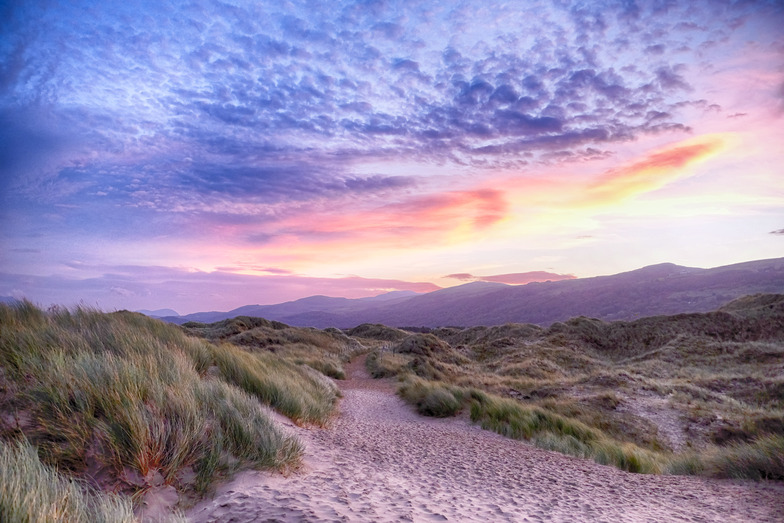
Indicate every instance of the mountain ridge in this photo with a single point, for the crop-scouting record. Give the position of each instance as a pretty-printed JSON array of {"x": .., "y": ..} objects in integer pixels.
[{"x": 659, "y": 289}]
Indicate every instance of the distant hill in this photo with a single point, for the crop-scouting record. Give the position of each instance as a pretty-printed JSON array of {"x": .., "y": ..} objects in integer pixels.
[
  {"x": 159, "y": 313},
  {"x": 654, "y": 290}
]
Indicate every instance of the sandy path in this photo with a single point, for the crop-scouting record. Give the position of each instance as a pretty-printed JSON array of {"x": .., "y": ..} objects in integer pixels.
[{"x": 382, "y": 462}]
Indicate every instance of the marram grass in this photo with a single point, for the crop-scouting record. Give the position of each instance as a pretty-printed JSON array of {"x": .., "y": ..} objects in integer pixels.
[
  {"x": 135, "y": 394},
  {"x": 760, "y": 459},
  {"x": 514, "y": 420},
  {"x": 31, "y": 492}
]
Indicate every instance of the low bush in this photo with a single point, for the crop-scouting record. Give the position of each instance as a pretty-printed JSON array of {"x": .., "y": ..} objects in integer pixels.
[
  {"x": 554, "y": 432},
  {"x": 762, "y": 458}
]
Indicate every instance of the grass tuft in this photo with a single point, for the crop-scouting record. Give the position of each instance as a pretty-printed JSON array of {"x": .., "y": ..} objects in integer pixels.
[
  {"x": 432, "y": 398},
  {"x": 299, "y": 392},
  {"x": 761, "y": 459}
]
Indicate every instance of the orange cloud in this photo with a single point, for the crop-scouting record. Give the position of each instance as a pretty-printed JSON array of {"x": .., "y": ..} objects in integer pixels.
[
  {"x": 652, "y": 172},
  {"x": 420, "y": 219}
]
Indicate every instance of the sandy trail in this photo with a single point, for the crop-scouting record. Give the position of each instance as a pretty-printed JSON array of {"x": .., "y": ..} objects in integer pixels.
[{"x": 380, "y": 461}]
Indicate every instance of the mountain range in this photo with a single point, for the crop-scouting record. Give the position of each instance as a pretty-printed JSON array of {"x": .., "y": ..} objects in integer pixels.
[{"x": 654, "y": 290}]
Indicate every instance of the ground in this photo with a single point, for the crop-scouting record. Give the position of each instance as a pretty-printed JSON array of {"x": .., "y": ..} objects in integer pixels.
[{"x": 380, "y": 461}]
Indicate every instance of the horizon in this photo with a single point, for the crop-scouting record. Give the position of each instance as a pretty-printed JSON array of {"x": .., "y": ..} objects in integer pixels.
[{"x": 207, "y": 156}]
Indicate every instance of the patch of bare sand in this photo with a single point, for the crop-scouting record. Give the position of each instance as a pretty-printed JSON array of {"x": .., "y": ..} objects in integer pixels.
[
  {"x": 657, "y": 409},
  {"x": 380, "y": 461}
]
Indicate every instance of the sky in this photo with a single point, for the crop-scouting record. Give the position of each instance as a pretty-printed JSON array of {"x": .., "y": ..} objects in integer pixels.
[{"x": 204, "y": 155}]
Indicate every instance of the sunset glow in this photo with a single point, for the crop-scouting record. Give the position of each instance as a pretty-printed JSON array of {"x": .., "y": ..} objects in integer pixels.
[{"x": 205, "y": 155}]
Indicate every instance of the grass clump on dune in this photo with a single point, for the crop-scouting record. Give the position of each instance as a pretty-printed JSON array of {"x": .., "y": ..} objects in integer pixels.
[
  {"x": 433, "y": 398},
  {"x": 386, "y": 364},
  {"x": 138, "y": 400},
  {"x": 299, "y": 392},
  {"x": 515, "y": 420},
  {"x": 31, "y": 491},
  {"x": 760, "y": 459}
]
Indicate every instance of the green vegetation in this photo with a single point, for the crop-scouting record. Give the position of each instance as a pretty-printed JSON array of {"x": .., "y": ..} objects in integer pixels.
[
  {"x": 140, "y": 402},
  {"x": 300, "y": 393},
  {"x": 515, "y": 420},
  {"x": 433, "y": 398},
  {"x": 385, "y": 364},
  {"x": 33, "y": 492},
  {"x": 760, "y": 459},
  {"x": 692, "y": 393}
]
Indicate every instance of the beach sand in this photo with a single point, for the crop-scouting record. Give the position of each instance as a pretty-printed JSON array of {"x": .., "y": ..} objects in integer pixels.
[{"x": 380, "y": 461}]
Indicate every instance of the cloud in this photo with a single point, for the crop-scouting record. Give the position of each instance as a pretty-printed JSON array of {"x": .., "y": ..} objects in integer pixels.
[
  {"x": 519, "y": 278},
  {"x": 464, "y": 276},
  {"x": 653, "y": 171},
  {"x": 309, "y": 81},
  {"x": 430, "y": 219},
  {"x": 285, "y": 128}
]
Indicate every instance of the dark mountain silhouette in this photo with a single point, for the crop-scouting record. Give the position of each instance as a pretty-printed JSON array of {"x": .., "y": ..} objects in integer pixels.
[{"x": 654, "y": 290}]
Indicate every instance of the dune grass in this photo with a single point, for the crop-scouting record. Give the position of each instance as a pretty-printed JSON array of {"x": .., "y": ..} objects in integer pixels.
[
  {"x": 134, "y": 397},
  {"x": 515, "y": 420},
  {"x": 433, "y": 398},
  {"x": 760, "y": 459},
  {"x": 299, "y": 392},
  {"x": 385, "y": 364},
  {"x": 323, "y": 350},
  {"x": 566, "y": 435},
  {"x": 32, "y": 492},
  {"x": 691, "y": 393}
]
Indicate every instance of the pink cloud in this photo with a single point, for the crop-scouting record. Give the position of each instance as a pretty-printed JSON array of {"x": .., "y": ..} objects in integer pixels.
[{"x": 652, "y": 171}]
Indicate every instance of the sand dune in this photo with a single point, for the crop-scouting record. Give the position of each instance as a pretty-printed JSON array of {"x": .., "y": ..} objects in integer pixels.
[{"x": 380, "y": 461}]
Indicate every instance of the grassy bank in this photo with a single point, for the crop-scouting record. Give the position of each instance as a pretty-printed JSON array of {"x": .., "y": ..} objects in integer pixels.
[{"x": 138, "y": 402}]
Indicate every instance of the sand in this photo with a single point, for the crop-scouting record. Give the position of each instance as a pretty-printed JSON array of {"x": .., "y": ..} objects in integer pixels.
[{"x": 380, "y": 461}]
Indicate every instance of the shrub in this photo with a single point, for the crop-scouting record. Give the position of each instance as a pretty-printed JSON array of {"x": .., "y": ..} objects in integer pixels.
[
  {"x": 548, "y": 430},
  {"x": 385, "y": 364}
]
